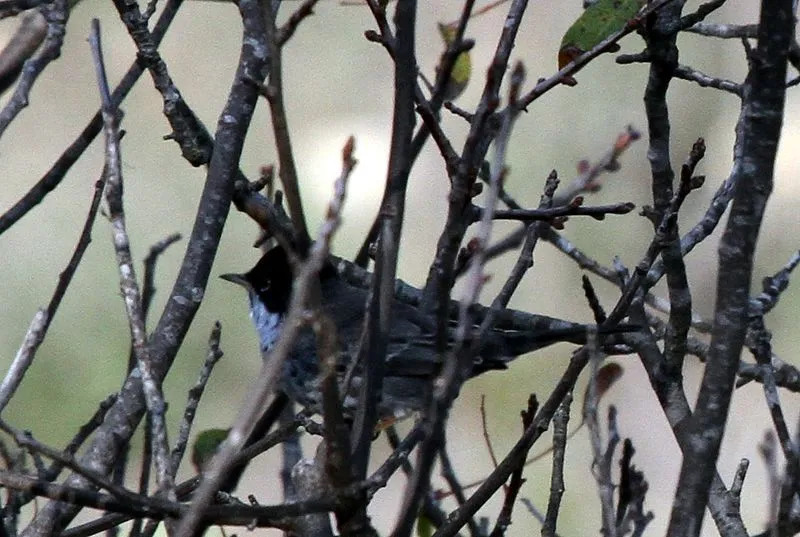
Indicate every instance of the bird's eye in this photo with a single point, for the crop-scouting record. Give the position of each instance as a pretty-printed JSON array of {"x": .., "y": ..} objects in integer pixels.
[{"x": 265, "y": 287}]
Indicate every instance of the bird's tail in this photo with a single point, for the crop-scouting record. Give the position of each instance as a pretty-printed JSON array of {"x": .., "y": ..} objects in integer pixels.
[{"x": 507, "y": 345}]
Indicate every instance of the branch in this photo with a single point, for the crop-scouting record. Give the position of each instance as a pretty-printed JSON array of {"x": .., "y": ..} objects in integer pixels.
[
  {"x": 24, "y": 357},
  {"x": 58, "y": 171},
  {"x": 273, "y": 91},
  {"x": 543, "y": 86},
  {"x": 754, "y": 162},
  {"x": 186, "y": 295},
  {"x": 560, "y": 431},
  {"x": 56, "y": 14},
  {"x": 154, "y": 398}
]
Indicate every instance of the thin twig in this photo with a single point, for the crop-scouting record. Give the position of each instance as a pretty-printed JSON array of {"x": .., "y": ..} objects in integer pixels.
[
  {"x": 602, "y": 457},
  {"x": 378, "y": 321},
  {"x": 456, "y": 489},
  {"x": 287, "y": 169},
  {"x": 24, "y": 358},
  {"x": 516, "y": 481},
  {"x": 52, "y": 178},
  {"x": 128, "y": 284},
  {"x": 306, "y": 9},
  {"x": 560, "y": 423},
  {"x": 195, "y": 393},
  {"x": 56, "y": 14},
  {"x": 43, "y": 318},
  {"x": 26, "y": 440},
  {"x": 543, "y": 86}
]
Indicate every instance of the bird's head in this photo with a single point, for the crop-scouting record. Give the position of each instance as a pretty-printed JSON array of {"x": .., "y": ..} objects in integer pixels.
[
  {"x": 270, "y": 280},
  {"x": 269, "y": 287}
]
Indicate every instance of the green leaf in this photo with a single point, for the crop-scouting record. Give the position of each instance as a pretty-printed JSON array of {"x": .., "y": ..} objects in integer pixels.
[
  {"x": 462, "y": 69},
  {"x": 205, "y": 446},
  {"x": 425, "y": 527},
  {"x": 597, "y": 22}
]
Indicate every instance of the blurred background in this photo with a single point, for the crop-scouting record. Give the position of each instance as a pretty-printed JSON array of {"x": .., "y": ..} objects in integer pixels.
[{"x": 337, "y": 84}]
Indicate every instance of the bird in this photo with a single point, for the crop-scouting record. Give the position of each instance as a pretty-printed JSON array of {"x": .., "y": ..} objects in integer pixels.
[{"x": 412, "y": 362}]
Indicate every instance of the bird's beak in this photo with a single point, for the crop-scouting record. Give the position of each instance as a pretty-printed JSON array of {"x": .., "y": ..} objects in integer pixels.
[{"x": 236, "y": 278}]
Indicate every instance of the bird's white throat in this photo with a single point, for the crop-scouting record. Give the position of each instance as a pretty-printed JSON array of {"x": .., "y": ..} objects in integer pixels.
[{"x": 268, "y": 324}]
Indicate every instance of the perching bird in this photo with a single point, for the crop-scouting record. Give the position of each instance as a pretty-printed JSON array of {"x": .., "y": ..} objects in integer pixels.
[{"x": 411, "y": 359}]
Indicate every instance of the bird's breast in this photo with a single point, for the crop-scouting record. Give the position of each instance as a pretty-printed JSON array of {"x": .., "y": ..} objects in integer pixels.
[{"x": 268, "y": 324}]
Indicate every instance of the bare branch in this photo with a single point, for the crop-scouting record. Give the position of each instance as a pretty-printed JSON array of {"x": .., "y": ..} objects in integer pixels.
[
  {"x": 53, "y": 177},
  {"x": 56, "y": 14},
  {"x": 560, "y": 422},
  {"x": 24, "y": 358},
  {"x": 761, "y": 120}
]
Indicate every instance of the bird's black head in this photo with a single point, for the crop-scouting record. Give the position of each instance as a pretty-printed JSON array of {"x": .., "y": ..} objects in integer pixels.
[{"x": 270, "y": 279}]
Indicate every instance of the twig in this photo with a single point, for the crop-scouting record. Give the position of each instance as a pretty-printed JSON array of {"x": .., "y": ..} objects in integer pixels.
[
  {"x": 608, "y": 163},
  {"x": 156, "y": 508},
  {"x": 516, "y": 482},
  {"x": 43, "y": 318},
  {"x": 602, "y": 457},
  {"x": 53, "y": 177},
  {"x": 705, "y": 81},
  {"x": 486, "y": 438},
  {"x": 128, "y": 284},
  {"x": 724, "y": 31},
  {"x": 734, "y": 495},
  {"x": 56, "y": 14},
  {"x": 398, "y": 459},
  {"x": 287, "y": 170},
  {"x": 148, "y": 283},
  {"x": 456, "y": 489},
  {"x": 337, "y": 461},
  {"x": 543, "y": 86},
  {"x": 26, "y": 440},
  {"x": 768, "y": 452},
  {"x": 195, "y": 393},
  {"x": 703, "y": 11},
  {"x": 560, "y": 422},
  {"x": 760, "y": 126},
  {"x": 575, "y": 208},
  {"x": 761, "y": 348},
  {"x": 632, "y": 491},
  {"x": 23, "y": 358},
  {"x": 187, "y": 131},
  {"x": 28, "y": 36},
  {"x": 148, "y": 291},
  {"x": 372, "y": 351},
  {"x": 285, "y": 33},
  {"x": 430, "y": 506},
  {"x": 587, "y": 181}
]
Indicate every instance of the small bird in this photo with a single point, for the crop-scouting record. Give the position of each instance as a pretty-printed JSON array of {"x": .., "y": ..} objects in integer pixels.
[{"x": 411, "y": 359}]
